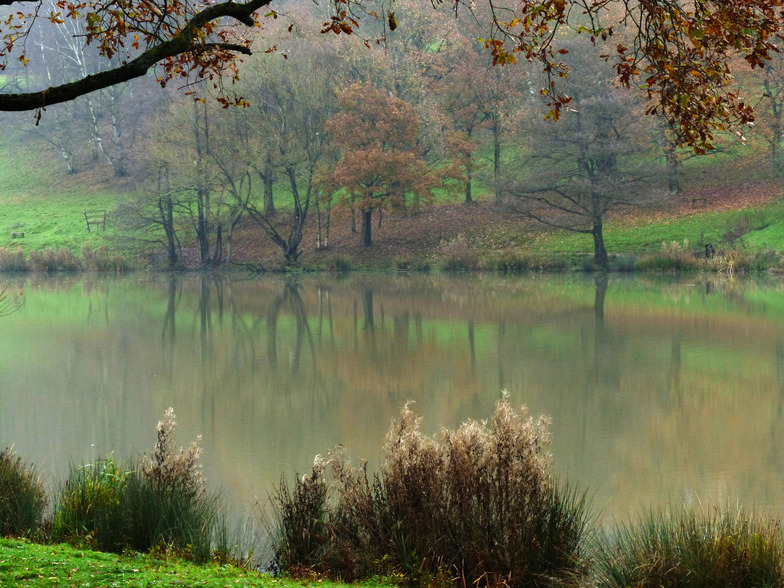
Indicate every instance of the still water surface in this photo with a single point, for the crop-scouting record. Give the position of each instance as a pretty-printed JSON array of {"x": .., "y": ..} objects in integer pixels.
[{"x": 659, "y": 390}]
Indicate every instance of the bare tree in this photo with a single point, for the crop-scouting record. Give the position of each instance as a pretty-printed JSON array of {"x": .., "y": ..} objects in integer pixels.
[{"x": 585, "y": 166}]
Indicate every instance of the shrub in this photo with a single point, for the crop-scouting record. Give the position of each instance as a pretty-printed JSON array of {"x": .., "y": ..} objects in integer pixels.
[
  {"x": 624, "y": 264},
  {"x": 12, "y": 260},
  {"x": 89, "y": 506},
  {"x": 457, "y": 255},
  {"x": 300, "y": 528},
  {"x": 339, "y": 263},
  {"x": 673, "y": 257},
  {"x": 162, "y": 502},
  {"x": 22, "y": 496},
  {"x": 694, "y": 548},
  {"x": 745, "y": 260},
  {"x": 50, "y": 260},
  {"x": 477, "y": 503},
  {"x": 512, "y": 262},
  {"x": 100, "y": 259}
]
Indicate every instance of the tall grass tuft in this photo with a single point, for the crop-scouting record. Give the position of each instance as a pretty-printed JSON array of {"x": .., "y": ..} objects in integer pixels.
[
  {"x": 694, "y": 548},
  {"x": 89, "y": 506},
  {"x": 301, "y": 528},
  {"x": 339, "y": 263},
  {"x": 22, "y": 496},
  {"x": 745, "y": 261},
  {"x": 457, "y": 255},
  {"x": 477, "y": 505},
  {"x": 161, "y": 503},
  {"x": 673, "y": 257},
  {"x": 101, "y": 260},
  {"x": 12, "y": 260},
  {"x": 52, "y": 260}
]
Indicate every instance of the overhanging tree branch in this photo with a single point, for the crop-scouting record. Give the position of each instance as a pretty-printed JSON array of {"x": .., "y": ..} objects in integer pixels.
[{"x": 180, "y": 43}]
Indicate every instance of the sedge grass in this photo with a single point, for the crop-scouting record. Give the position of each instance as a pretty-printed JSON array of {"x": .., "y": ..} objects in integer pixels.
[
  {"x": 694, "y": 548},
  {"x": 22, "y": 496}
]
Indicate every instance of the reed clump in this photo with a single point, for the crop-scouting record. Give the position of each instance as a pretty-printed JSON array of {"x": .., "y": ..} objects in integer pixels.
[
  {"x": 12, "y": 260},
  {"x": 700, "y": 548},
  {"x": 22, "y": 496},
  {"x": 476, "y": 505},
  {"x": 52, "y": 260},
  {"x": 673, "y": 257},
  {"x": 161, "y": 501},
  {"x": 99, "y": 259}
]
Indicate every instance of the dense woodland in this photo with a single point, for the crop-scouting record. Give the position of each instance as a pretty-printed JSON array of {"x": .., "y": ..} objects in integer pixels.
[{"x": 347, "y": 124}]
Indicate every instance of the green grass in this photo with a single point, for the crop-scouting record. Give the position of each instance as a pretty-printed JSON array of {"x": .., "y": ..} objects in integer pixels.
[
  {"x": 37, "y": 201},
  {"x": 700, "y": 548},
  {"x": 28, "y": 564}
]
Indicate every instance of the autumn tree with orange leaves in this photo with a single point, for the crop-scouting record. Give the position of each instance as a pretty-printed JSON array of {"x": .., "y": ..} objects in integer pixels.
[{"x": 381, "y": 160}]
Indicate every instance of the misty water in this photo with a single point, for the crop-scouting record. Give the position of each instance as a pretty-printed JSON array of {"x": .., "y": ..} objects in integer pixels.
[{"x": 659, "y": 389}]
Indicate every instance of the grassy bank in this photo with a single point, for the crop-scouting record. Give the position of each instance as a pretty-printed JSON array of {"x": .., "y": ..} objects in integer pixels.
[{"x": 23, "y": 563}]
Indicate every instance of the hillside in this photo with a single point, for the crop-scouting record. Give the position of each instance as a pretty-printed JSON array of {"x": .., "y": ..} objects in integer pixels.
[
  {"x": 724, "y": 197},
  {"x": 484, "y": 231}
]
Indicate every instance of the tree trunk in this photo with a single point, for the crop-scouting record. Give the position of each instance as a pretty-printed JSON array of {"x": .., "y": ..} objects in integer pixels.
[
  {"x": 167, "y": 220},
  {"x": 673, "y": 167},
  {"x": 269, "y": 203},
  {"x": 599, "y": 250},
  {"x": 202, "y": 192},
  {"x": 118, "y": 161},
  {"x": 469, "y": 164},
  {"x": 497, "y": 158},
  {"x": 365, "y": 237},
  {"x": 469, "y": 173},
  {"x": 217, "y": 256},
  {"x": 166, "y": 209}
]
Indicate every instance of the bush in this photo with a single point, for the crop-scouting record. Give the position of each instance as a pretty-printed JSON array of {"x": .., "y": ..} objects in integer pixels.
[
  {"x": 479, "y": 504},
  {"x": 51, "y": 260},
  {"x": 339, "y": 263},
  {"x": 673, "y": 257},
  {"x": 512, "y": 262},
  {"x": 12, "y": 260},
  {"x": 416, "y": 265},
  {"x": 100, "y": 259},
  {"x": 22, "y": 496},
  {"x": 457, "y": 255},
  {"x": 624, "y": 264},
  {"x": 162, "y": 502},
  {"x": 301, "y": 529},
  {"x": 745, "y": 260},
  {"x": 89, "y": 506},
  {"x": 694, "y": 548}
]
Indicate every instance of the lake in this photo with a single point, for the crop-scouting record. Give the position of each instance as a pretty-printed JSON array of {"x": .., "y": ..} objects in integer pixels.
[{"x": 659, "y": 389}]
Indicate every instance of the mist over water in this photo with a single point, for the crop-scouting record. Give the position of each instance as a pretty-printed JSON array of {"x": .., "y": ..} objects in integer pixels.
[{"x": 659, "y": 390}]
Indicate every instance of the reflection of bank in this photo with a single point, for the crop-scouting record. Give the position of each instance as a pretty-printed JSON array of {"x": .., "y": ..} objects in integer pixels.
[{"x": 215, "y": 302}]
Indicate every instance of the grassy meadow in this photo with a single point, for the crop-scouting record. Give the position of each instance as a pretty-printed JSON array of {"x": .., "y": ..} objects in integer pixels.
[{"x": 45, "y": 205}]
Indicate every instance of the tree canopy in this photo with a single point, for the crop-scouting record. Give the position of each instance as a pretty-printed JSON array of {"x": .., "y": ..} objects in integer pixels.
[{"x": 681, "y": 54}]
